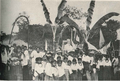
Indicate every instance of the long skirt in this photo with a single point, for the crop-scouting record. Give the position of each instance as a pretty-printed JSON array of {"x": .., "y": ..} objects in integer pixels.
[
  {"x": 48, "y": 78},
  {"x": 4, "y": 72},
  {"x": 16, "y": 72},
  {"x": 100, "y": 73},
  {"x": 79, "y": 75},
  {"x": 74, "y": 75},
  {"x": 117, "y": 75},
  {"x": 107, "y": 73},
  {"x": 25, "y": 72},
  {"x": 94, "y": 76},
  {"x": 62, "y": 78}
]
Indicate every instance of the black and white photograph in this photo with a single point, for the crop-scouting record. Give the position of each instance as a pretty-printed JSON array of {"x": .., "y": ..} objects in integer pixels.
[{"x": 60, "y": 40}]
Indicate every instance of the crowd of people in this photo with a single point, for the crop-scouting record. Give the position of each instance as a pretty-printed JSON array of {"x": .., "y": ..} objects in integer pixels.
[{"x": 21, "y": 63}]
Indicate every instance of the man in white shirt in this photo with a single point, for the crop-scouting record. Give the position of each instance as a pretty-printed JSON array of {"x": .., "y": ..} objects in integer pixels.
[
  {"x": 25, "y": 59},
  {"x": 48, "y": 72},
  {"x": 34, "y": 55},
  {"x": 39, "y": 69},
  {"x": 61, "y": 71}
]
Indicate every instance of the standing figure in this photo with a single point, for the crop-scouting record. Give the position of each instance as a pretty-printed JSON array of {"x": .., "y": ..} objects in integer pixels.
[
  {"x": 61, "y": 71},
  {"x": 80, "y": 68},
  {"x": 39, "y": 69}
]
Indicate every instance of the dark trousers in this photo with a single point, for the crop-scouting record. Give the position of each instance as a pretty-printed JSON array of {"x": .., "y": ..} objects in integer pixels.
[
  {"x": 25, "y": 72},
  {"x": 73, "y": 76},
  {"x": 4, "y": 72},
  {"x": 16, "y": 73},
  {"x": 117, "y": 75}
]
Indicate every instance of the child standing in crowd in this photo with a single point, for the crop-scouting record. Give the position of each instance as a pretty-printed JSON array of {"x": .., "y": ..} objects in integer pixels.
[
  {"x": 74, "y": 70},
  {"x": 100, "y": 68},
  {"x": 39, "y": 69},
  {"x": 115, "y": 64},
  {"x": 68, "y": 70},
  {"x": 94, "y": 75},
  {"x": 58, "y": 54},
  {"x": 80, "y": 68},
  {"x": 86, "y": 62},
  {"x": 61, "y": 70},
  {"x": 48, "y": 67},
  {"x": 54, "y": 70},
  {"x": 107, "y": 68},
  {"x": 34, "y": 55},
  {"x": 25, "y": 60}
]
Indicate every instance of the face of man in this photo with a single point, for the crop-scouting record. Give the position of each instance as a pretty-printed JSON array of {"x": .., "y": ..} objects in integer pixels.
[
  {"x": 54, "y": 64},
  {"x": 60, "y": 64}
]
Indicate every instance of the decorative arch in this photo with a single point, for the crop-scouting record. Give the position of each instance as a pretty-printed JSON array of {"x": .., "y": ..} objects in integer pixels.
[
  {"x": 15, "y": 22},
  {"x": 71, "y": 24}
]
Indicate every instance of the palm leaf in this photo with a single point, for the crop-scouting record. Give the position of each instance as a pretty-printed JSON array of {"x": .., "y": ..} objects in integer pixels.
[
  {"x": 46, "y": 12},
  {"x": 60, "y": 10},
  {"x": 97, "y": 26}
]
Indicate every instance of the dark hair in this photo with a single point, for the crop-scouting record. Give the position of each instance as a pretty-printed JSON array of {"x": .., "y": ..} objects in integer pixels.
[
  {"x": 69, "y": 61},
  {"x": 38, "y": 59},
  {"x": 79, "y": 59},
  {"x": 58, "y": 57},
  {"x": 74, "y": 60},
  {"x": 65, "y": 58},
  {"x": 53, "y": 61},
  {"x": 93, "y": 66},
  {"x": 59, "y": 61}
]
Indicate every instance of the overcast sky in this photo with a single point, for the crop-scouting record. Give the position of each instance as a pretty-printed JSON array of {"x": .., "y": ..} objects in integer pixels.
[{"x": 11, "y": 9}]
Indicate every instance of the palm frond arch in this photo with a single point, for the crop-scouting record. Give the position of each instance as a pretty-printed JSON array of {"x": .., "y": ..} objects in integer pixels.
[
  {"x": 21, "y": 16},
  {"x": 101, "y": 21},
  {"x": 97, "y": 26},
  {"x": 71, "y": 25}
]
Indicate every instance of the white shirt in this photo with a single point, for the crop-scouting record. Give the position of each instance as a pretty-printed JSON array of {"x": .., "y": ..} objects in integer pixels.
[
  {"x": 48, "y": 70},
  {"x": 116, "y": 61},
  {"x": 68, "y": 48},
  {"x": 107, "y": 63},
  {"x": 69, "y": 68},
  {"x": 4, "y": 57},
  {"x": 100, "y": 63},
  {"x": 39, "y": 68},
  {"x": 74, "y": 66},
  {"x": 61, "y": 71},
  {"x": 55, "y": 71},
  {"x": 64, "y": 65},
  {"x": 42, "y": 54},
  {"x": 80, "y": 66},
  {"x": 86, "y": 58},
  {"x": 34, "y": 55},
  {"x": 25, "y": 58},
  {"x": 70, "y": 58}
]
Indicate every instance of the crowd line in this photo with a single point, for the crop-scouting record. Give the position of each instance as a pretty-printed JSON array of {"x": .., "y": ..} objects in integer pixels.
[{"x": 20, "y": 63}]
